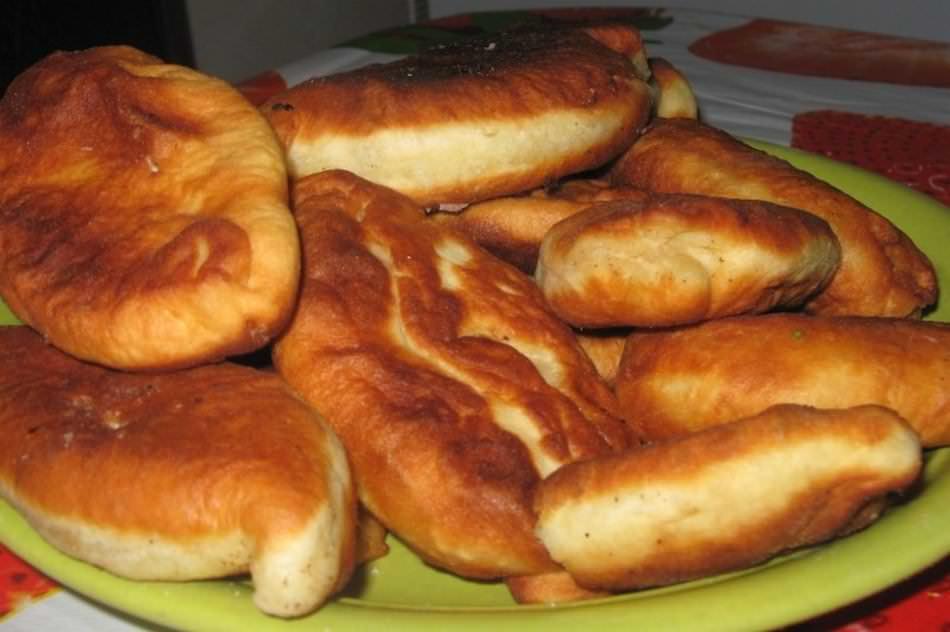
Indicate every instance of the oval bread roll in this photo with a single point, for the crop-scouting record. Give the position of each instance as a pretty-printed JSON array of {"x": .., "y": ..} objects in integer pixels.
[
  {"x": 674, "y": 95},
  {"x": 882, "y": 272},
  {"x": 206, "y": 472},
  {"x": 471, "y": 120},
  {"x": 673, "y": 259},
  {"x": 679, "y": 381},
  {"x": 143, "y": 212},
  {"x": 622, "y": 38},
  {"x": 452, "y": 386},
  {"x": 725, "y": 498},
  {"x": 511, "y": 228}
]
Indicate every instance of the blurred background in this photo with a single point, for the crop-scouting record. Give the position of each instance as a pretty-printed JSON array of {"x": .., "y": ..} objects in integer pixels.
[
  {"x": 232, "y": 40},
  {"x": 237, "y": 40}
]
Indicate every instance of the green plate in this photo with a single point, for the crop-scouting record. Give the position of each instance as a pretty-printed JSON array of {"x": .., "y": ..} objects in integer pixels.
[{"x": 399, "y": 592}]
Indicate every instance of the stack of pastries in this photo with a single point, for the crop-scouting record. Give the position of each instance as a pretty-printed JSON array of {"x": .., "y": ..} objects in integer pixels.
[{"x": 508, "y": 298}]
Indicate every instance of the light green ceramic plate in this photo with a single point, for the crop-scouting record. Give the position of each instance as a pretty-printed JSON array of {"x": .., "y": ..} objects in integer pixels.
[{"x": 399, "y": 592}]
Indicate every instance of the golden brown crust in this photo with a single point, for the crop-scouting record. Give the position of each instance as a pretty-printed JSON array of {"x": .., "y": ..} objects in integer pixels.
[
  {"x": 619, "y": 37},
  {"x": 143, "y": 212},
  {"x": 370, "y": 538},
  {"x": 605, "y": 348},
  {"x": 549, "y": 588},
  {"x": 670, "y": 259},
  {"x": 674, "y": 382},
  {"x": 674, "y": 95},
  {"x": 622, "y": 38},
  {"x": 725, "y": 498},
  {"x": 882, "y": 272},
  {"x": 207, "y": 472},
  {"x": 590, "y": 191},
  {"x": 452, "y": 386},
  {"x": 468, "y": 121},
  {"x": 512, "y": 228}
]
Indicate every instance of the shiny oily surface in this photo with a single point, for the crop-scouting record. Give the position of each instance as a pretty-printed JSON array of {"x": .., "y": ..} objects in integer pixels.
[{"x": 400, "y": 592}]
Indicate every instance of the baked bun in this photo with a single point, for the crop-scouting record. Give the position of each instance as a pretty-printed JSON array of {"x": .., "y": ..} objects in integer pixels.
[
  {"x": 619, "y": 37},
  {"x": 726, "y": 498},
  {"x": 674, "y": 96},
  {"x": 882, "y": 272},
  {"x": 207, "y": 472},
  {"x": 143, "y": 212},
  {"x": 467, "y": 121},
  {"x": 671, "y": 259},
  {"x": 451, "y": 385},
  {"x": 675, "y": 382},
  {"x": 512, "y": 227}
]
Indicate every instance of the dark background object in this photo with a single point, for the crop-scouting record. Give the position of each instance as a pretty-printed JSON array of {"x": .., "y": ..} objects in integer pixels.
[{"x": 32, "y": 29}]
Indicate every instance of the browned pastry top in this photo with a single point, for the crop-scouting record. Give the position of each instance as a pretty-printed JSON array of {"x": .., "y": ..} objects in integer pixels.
[
  {"x": 452, "y": 386},
  {"x": 204, "y": 472},
  {"x": 143, "y": 212},
  {"x": 505, "y": 76},
  {"x": 470, "y": 120},
  {"x": 882, "y": 272},
  {"x": 674, "y": 95},
  {"x": 512, "y": 227},
  {"x": 668, "y": 259},
  {"x": 677, "y": 381},
  {"x": 122, "y": 428},
  {"x": 727, "y": 497}
]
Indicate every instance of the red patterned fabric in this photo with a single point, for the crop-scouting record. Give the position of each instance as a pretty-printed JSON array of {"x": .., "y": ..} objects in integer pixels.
[
  {"x": 19, "y": 583},
  {"x": 912, "y": 152}
]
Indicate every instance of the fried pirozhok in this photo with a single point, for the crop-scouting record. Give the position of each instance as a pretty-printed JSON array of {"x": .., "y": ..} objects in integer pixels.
[
  {"x": 206, "y": 472},
  {"x": 452, "y": 386},
  {"x": 675, "y": 98},
  {"x": 725, "y": 498},
  {"x": 512, "y": 227},
  {"x": 143, "y": 212},
  {"x": 475, "y": 119},
  {"x": 674, "y": 382},
  {"x": 667, "y": 259},
  {"x": 882, "y": 272}
]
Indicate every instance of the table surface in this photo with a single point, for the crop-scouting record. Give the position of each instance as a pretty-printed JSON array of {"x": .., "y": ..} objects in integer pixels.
[{"x": 879, "y": 102}]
